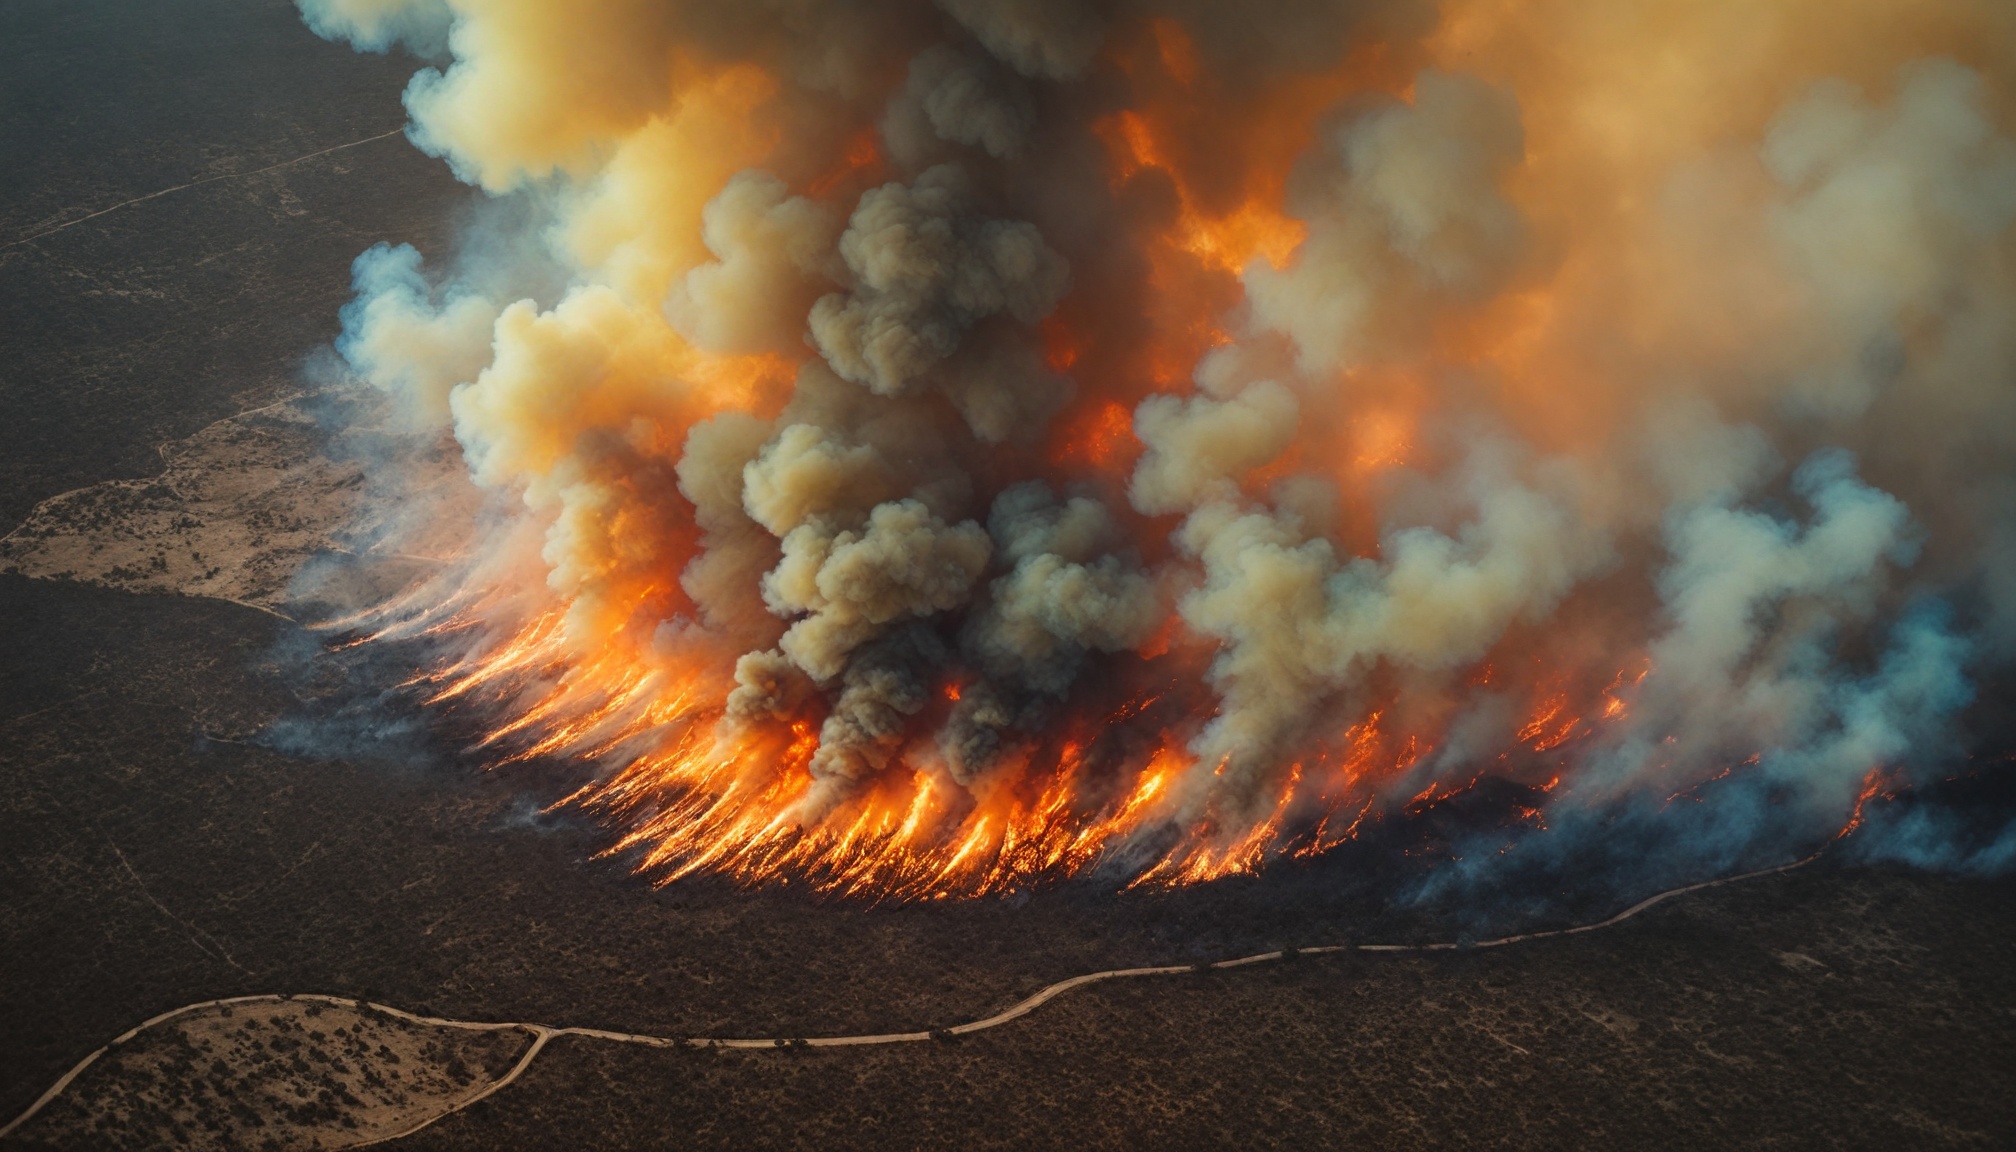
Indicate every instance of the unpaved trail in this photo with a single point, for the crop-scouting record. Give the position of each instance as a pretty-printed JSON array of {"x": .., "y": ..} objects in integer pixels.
[
  {"x": 72, "y": 223},
  {"x": 541, "y": 1034}
]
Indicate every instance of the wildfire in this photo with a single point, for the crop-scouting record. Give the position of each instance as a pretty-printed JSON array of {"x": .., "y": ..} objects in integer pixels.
[
  {"x": 929, "y": 456},
  {"x": 698, "y": 794}
]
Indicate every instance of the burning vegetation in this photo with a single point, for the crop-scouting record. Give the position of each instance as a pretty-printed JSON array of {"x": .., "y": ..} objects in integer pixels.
[{"x": 933, "y": 449}]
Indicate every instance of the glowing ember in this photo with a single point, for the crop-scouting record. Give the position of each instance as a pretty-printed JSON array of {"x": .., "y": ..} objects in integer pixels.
[{"x": 939, "y": 450}]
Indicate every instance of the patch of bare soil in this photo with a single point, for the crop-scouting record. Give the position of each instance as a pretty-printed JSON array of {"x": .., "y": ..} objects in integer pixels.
[
  {"x": 237, "y": 510},
  {"x": 278, "y": 1075},
  {"x": 241, "y": 511}
]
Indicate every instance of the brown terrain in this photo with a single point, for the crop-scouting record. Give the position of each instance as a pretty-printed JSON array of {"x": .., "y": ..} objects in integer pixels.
[{"x": 196, "y": 807}]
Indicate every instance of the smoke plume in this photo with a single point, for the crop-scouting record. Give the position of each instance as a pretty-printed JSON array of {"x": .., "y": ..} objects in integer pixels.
[{"x": 931, "y": 448}]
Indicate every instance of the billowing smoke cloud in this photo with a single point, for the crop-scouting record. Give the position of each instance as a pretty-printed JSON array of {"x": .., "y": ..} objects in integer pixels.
[
  {"x": 1754, "y": 603},
  {"x": 1405, "y": 211},
  {"x": 378, "y": 25},
  {"x": 927, "y": 270},
  {"x": 1296, "y": 623},
  {"x": 405, "y": 341},
  {"x": 771, "y": 249},
  {"x": 980, "y": 440},
  {"x": 1045, "y": 39},
  {"x": 955, "y": 98}
]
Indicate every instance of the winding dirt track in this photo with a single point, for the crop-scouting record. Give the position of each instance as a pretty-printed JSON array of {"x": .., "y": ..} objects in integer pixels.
[{"x": 541, "y": 1033}]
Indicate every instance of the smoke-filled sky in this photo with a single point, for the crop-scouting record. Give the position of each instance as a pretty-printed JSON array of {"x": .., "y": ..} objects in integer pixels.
[{"x": 933, "y": 447}]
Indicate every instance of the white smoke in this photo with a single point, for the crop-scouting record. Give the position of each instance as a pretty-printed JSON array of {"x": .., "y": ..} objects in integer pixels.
[
  {"x": 420, "y": 26},
  {"x": 1744, "y": 668},
  {"x": 408, "y": 343}
]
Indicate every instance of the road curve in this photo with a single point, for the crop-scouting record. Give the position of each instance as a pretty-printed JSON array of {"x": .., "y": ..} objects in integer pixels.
[{"x": 542, "y": 1033}]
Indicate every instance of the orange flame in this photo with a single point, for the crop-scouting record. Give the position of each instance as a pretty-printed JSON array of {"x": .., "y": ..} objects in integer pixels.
[{"x": 1110, "y": 786}]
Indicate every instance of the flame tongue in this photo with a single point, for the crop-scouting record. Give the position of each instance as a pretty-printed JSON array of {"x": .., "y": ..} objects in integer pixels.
[{"x": 939, "y": 450}]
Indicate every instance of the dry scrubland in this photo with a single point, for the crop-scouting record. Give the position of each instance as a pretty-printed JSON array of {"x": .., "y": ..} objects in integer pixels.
[
  {"x": 161, "y": 853},
  {"x": 156, "y": 863},
  {"x": 291, "y": 1074}
]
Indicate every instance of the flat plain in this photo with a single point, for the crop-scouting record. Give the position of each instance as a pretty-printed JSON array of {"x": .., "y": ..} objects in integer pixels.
[{"x": 164, "y": 846}]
